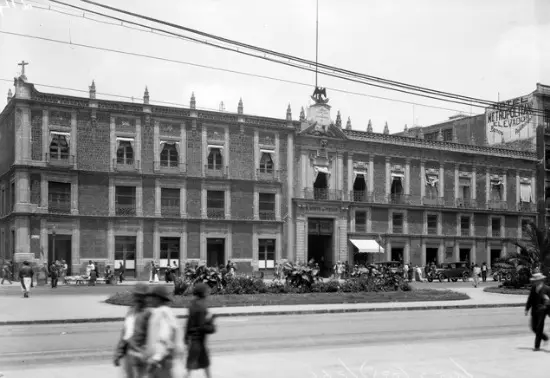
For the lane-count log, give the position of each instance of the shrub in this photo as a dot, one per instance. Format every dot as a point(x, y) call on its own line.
point(244, 285)
point(299, 275)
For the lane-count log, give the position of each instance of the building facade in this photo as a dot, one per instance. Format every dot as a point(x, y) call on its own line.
point(124, 183)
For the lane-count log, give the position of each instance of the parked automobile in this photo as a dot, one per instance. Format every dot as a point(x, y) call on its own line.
point(502, 274)
point(451, 272)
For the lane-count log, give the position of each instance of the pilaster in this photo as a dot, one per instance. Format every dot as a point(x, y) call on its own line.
point(422, 178)
point(423, 255)
point(111, 242)
point(257, 153)
point(256, 204)
point(388, 250)
point(474, 182)
point(156, 142)
point(202, 244)
point(301, 237)
point(505, 187)
point(203, 202)
point(388, 177)
point(226, 151)
point(441, 252)
point(112, 133)
point(183, 200)
point(75, 246)
point(278, 205)
point(204, 150)
point(74, 142)
point(255, 255)
point(304, 173)
point(139, 250)
point(407, 251)
point(407, 176)
point(156, 242)
point(138, 145)
point(518, 183)
point(339, 184)
point(533, 188)
point(139, 200)
point(290, 185)
point(349, 194)
point(183, 246)
point(227, 203)
point(158, 198)
point(45, 133)
point(457, 181)
point(74, 195)
point(44, 242)
point(456, 251)
point(371, 174)
point(442, 179)
point(183, 150)
point(229, 242)
point(112, 199)
point(276, 160)
point(43, 192)
point(473, 252)
point(487, 185)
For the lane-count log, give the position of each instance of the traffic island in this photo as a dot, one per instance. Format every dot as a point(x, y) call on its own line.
point(507, 290)
point(284, 299)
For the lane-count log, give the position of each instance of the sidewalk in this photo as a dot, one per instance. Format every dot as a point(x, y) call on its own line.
point(91, 308)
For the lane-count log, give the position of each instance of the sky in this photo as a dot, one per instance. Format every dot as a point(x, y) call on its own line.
point(490, 49)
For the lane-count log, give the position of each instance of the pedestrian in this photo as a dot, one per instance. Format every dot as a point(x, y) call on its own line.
point(54, 275)
point(151, 271)
point(130, 348)
point(121, 272)
point(156, 269)
point(93, 278)
point(200, 323)
point(475, 274)
point(484, 271)
point(406, 271)
point(165, 347)
point(26, 275)
point(90, 268)
point(537, 302)
point(6, 272)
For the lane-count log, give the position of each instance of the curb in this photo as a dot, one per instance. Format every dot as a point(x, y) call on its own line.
point(291, 312)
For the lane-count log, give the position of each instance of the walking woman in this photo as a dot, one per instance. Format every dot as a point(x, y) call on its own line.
point(129, 349)
point(26, 275)
point(199, 324)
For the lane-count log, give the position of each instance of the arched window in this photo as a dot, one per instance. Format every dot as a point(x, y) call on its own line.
point(169, 155)
point(215, 159)
point(125, 153)
point(59, 146)
point(266, 163)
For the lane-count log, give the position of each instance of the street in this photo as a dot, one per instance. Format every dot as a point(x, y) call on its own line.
point(483, 343)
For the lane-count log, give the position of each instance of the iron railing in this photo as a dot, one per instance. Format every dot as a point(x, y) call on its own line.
point(433, 201)
point(170, 210)
point(126, 164)
point(267, 215)
point(497, 205)
point(527, 206)
point(125, 210)
point(171, 167)
point(213, 213)
point(263, 175)
point(323, 194)
point(361, 196)
point(360, 227)
point(63, 160)
point(218, 172)
point(467, 203)
point(59, 203)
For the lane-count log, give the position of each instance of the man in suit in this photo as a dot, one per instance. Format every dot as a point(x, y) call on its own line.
point(538, 302)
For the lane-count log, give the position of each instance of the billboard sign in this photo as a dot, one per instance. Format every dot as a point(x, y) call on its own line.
point(510, 120)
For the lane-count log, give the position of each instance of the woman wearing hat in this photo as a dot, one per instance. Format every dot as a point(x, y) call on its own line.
point(199, 324)
point(164, 338)
point(537, 302)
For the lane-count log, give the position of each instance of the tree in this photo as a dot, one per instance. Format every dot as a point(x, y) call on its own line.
point(533, 255)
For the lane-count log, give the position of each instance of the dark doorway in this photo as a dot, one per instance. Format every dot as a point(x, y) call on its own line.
point(215, 252)
point(319, 244)
point(59, 248)
point(169, 251)
point(464, 254)
point(320, 186)
point(431, 256)
point(360, 188)
point(125, 254)
point(397, 254)
point(495, 255)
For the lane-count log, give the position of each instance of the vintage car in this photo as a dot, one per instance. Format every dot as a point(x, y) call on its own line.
point(451, 272)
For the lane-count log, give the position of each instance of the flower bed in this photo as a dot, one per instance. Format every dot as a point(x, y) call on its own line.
point(507, 290)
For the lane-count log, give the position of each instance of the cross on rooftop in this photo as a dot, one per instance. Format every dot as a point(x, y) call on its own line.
point(22, 64)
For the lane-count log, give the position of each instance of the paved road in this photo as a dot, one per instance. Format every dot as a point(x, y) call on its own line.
point(476, 340)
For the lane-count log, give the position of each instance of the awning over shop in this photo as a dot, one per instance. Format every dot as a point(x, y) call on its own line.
point(367, 246)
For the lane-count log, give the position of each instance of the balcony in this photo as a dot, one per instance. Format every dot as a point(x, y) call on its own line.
point(323, 194)
point(169, 167)
point(397, 229)
point(59, 160)
point(267, 215)
point(360, 227)
point(213, 213)
point(467, 203)
point(464, 232)
point(222, 172)
point(170, 210)
point(403, 199)
point(433, 201)
point(126, 165)
point(125, 210)
point(527, 206)
point(362, 196)
point(273, 176)
point(497, 205)
point(59, 204)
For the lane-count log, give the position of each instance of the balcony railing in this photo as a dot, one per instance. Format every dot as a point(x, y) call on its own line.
point(125, 210)
point(274, 175)
point(59, 160)
point(432, 230)
point(402, 199)
point(496, 234)
point(497, 205)
point(527, 206)
point(323, 194)
point(221, 172)
point(467, 203)
point(362, 196)
point(267, 215)
point(433, 201)
point(464, 232)
point(360, 227)
point(170, 210)
point(126, 165)
point(170, 167)
point(215, 213)
point(397, 229)
point(58, 204)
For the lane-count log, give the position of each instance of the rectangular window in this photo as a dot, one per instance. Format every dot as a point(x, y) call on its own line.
point(496, 190)
point(448, 135)
point(267, 206)
point(464, 191)
point(360, 221)
point(169, 251)
point(125, 254)
point(266, 253)
point(215, 204)
point(215, 159)
point(495, 227)
point(170, 201)
point(125, 200)
point(266, 163)
point(59, 197)
point(464, 226)
point(397, 223)
point(431, 221)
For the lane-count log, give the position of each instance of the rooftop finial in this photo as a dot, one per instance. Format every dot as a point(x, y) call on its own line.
point(23, 64)
point(405, 128)
point(369, 127)
point(338, 120)
point(420, 133)
point(9, 95)
point(146, 96)
point(193, 103)
point(288, 113)
point(348, 124)
point(240, 107)
point(92, 90)
point(455, 138)
point(386, 129)
point(302, 114)
point(440, 136)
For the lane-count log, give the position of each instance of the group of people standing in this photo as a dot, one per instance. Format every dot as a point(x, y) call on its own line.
point(170, 272)
point(152, 343)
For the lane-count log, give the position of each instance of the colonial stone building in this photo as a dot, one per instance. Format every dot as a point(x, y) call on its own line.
point(89, 179)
